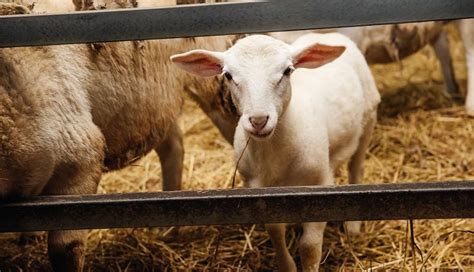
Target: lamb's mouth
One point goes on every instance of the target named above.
(262, 135)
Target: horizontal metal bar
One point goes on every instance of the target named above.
(218, 19)
(242, 206)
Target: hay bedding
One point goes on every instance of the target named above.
(420, 137)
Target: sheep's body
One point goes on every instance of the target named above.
(137, 83)
(67, 110)
(390, 43)
(211, 95)
(49, 142)
(382, 43)
(131, 96)
(133, 99)
(45, 119)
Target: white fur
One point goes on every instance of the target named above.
(318, 119)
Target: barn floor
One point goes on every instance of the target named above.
(421, 136)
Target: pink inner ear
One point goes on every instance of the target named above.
(310, 58)
(199, 63)
(205, 64)
(318, 55)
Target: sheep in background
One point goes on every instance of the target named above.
(299, 127)
(50, 6)
(391, 43)
(62, 121)
(212, 96)
(114, 4)
(13, 9)
(104, 4)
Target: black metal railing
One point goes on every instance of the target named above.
(240, 206)
(219, 19)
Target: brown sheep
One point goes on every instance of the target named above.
(68, 111)
(212, 96)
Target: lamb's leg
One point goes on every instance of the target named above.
(356, 166)
(441, 47)
(467, 35)
(171, 152)
(282, 255)
(66, 248)
(311, 245)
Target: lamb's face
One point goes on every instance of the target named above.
(258, 71)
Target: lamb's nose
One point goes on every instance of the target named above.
(259, 122)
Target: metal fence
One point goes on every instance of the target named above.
(240, 206)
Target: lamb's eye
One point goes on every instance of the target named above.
(228, 76)
(288, 71)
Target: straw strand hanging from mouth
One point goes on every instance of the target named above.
(238, 161)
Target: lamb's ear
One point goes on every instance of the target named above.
(316, 55)
(200, 62)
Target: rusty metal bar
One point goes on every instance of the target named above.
(219, 19)
(242, 206)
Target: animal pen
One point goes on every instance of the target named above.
(438, 200)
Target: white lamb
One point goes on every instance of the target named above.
(301, 127)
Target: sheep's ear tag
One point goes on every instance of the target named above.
(317, 55)
(200, 62)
